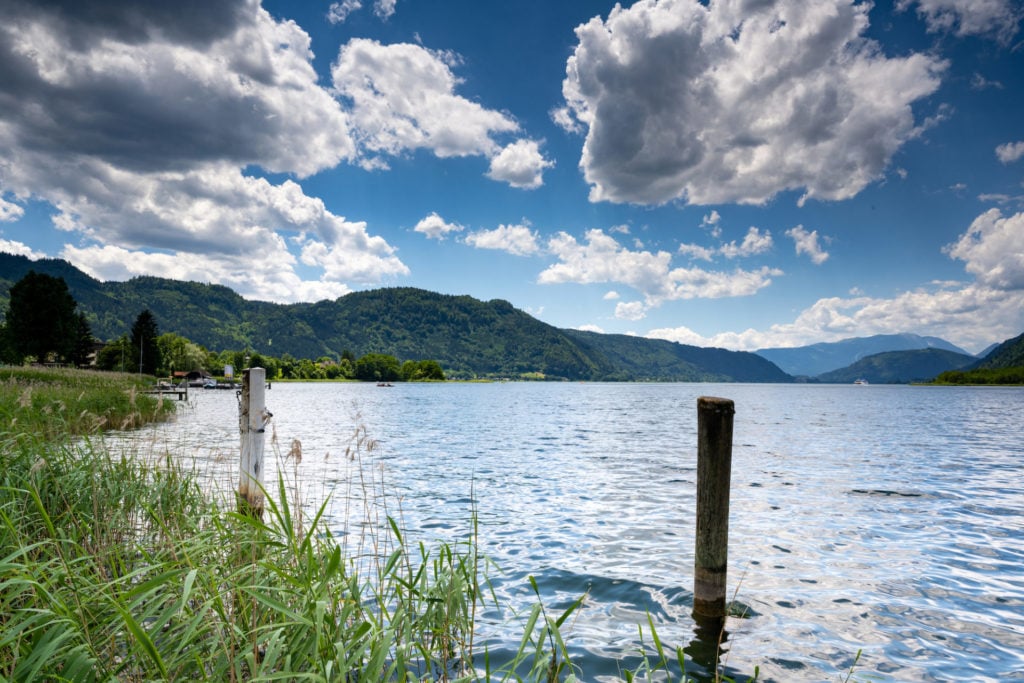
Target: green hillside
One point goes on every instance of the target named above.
(1009, 354)
(468, 337)
(641, 358)
(900, 367)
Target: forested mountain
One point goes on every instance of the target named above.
(815, 359)
(900, 367)
(642, 358)
(1009, 354)
(468, 337)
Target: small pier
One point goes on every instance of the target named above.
(179, 393)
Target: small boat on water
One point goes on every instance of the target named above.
(860, 381)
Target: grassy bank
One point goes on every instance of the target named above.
(114, 568)
(51, 404)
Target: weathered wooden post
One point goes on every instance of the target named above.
(252, 419)
(714, 468)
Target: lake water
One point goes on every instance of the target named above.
(887, 519)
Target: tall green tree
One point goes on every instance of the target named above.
(116, 355)
(145, 348)
(40, 320)
(421, 370)
(181, 354)
(84, 341)
(378, 367)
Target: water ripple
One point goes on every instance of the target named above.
(882, 519)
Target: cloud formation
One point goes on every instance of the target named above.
(973, 315)
(737, 101)
(601, 259)
(139, 125)
(993, 250)
(520, 164)
(807, 243)
(518, 240)
(403, 98)
(998, 19)
(338, 12)
(1010, 152)
(435, 227)
(754, 242)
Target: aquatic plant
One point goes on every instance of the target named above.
(118, 567)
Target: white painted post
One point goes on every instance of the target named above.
(252, 419)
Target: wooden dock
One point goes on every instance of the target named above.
(180, 393)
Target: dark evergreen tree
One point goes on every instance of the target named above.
(40, 320)
(145, 349)
(84, 341)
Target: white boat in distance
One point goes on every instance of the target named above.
(860, 381)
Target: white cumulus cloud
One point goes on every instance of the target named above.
(754, 242)
(338, 12)
(807, 243)
(518, 240)
(9, 211)
(630, 310)
(136, 124)
(736, 101)
(971, 315)
(1010, 152)
(993, 250)
(403, 98)
(520, 164)
(601, 259)
(384, 8)
(435, 227)
(20, 249)
(998, 19)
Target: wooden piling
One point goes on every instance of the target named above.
(714, 468)
(252, 419)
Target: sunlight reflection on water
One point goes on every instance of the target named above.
(887, 519)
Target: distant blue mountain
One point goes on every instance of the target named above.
(900, 367)
(817, 359)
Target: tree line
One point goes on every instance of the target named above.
(42, 324)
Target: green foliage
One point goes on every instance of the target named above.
(116, 355)
(378, 367)
(420, 371)
(180, 354)
(58, 403)
(146, 350)
(119, 569)
(84, 341)
(1002, 376)
(1009, 354)
(41, 320)
(469, 338)
(899, 367)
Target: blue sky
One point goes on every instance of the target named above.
(744, 173)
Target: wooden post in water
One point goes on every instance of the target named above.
(252, 419)
(714, 468)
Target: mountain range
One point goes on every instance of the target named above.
(824, 357)
(472, 338)
(468, 337)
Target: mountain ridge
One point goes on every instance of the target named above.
(816, 359)
(468, 337)
(900, 367)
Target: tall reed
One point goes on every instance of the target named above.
(115, 567)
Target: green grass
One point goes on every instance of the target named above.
(51, 404)
(118, 568)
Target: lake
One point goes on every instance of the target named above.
(887, 519)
